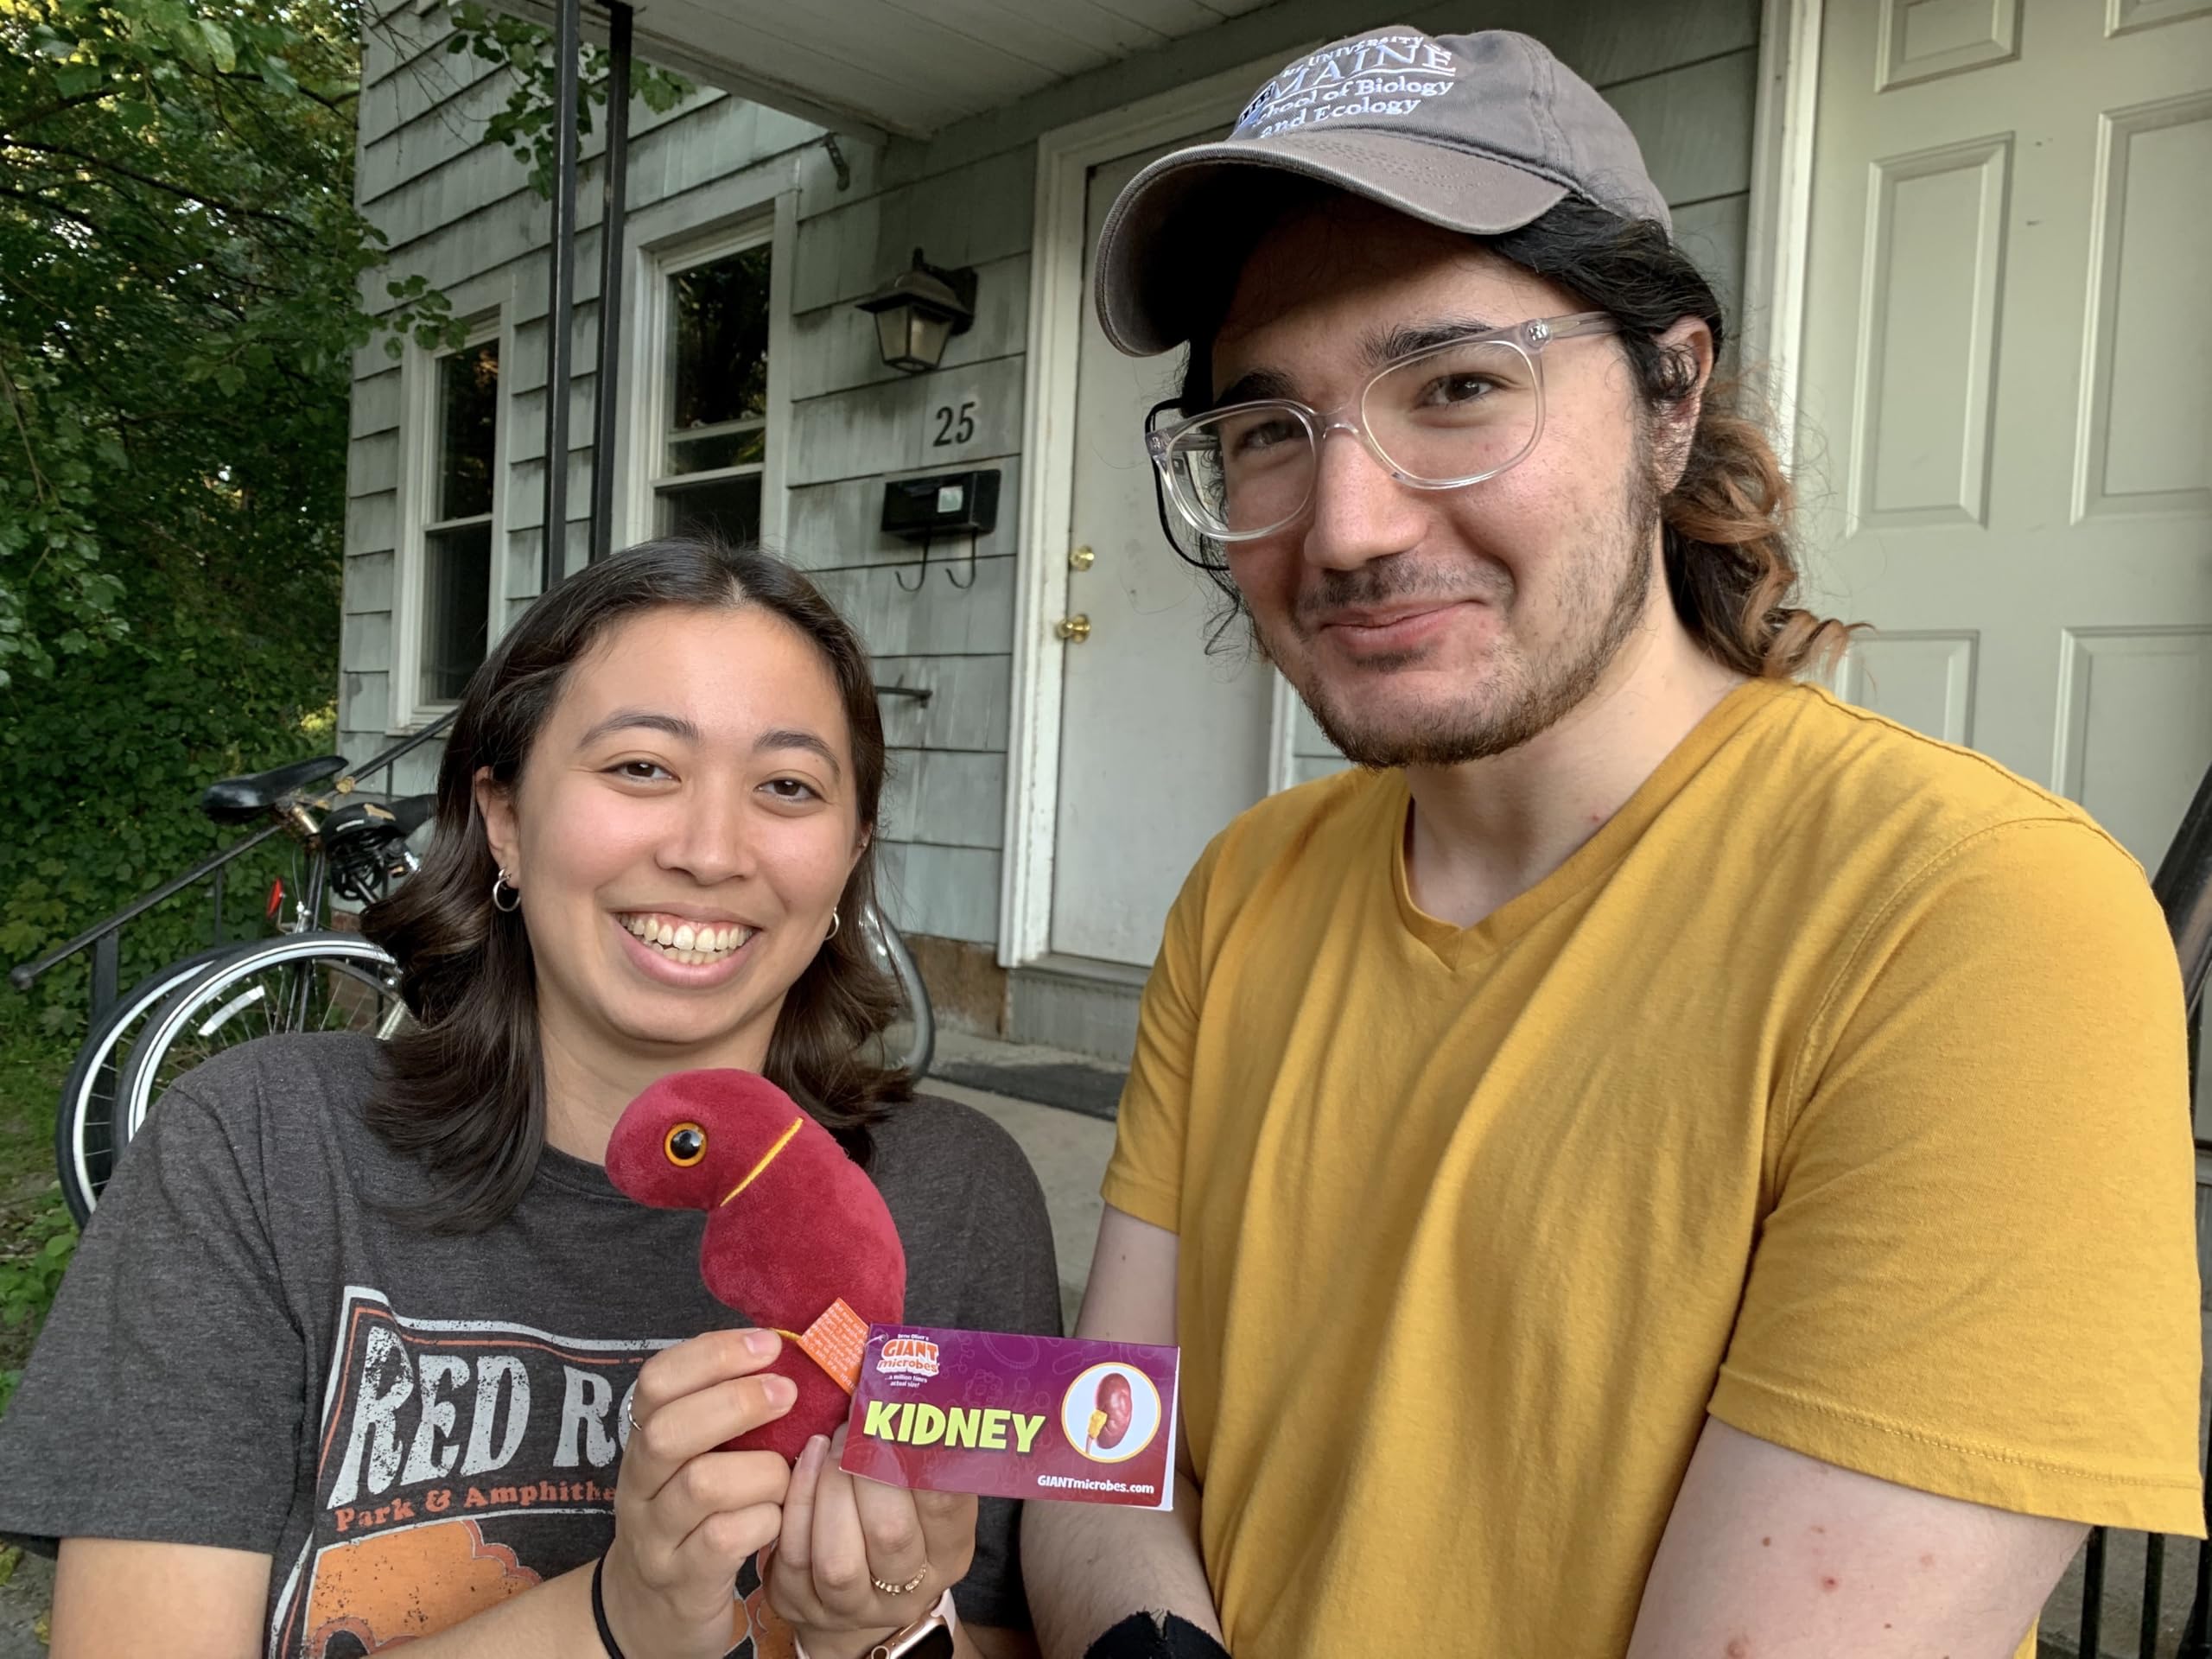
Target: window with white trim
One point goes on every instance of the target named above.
(457, 532)
(712, 448)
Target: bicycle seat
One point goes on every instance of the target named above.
(394, 819)
(241, 800)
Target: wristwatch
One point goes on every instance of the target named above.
(929, 1636)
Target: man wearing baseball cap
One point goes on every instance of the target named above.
(1654, 1161)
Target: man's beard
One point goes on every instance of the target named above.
(1519, 696)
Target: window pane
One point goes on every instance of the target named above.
(456, 599)
(469, 414)
(709, 455)
(728, 507)
(722, 340)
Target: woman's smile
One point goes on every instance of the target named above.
(674, 951)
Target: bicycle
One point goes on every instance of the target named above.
(308, 978)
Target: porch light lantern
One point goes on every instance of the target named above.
(919, 311)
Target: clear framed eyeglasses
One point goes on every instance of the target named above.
(1440, 419)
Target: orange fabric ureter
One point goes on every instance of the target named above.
(837, 1342)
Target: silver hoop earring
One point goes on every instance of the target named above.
(500, 882)
(835, 922)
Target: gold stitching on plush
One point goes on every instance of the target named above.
(766, 1159)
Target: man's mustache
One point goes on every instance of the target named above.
(1394, 581)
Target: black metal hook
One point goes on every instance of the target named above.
(922, 571)
(964, 586)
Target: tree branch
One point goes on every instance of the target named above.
(85, 220)
(201, 197)
(30, 454)
(337, 105)
(53, 110)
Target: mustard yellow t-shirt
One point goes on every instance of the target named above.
(1836, 1087)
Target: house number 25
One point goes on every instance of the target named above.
(954, 425)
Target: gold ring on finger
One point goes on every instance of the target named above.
(906, 1589)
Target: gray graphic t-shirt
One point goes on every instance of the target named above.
(251, 1351)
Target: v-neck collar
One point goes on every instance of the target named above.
(1463, 947)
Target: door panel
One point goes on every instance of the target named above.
(2007, 385)
(1162, 741)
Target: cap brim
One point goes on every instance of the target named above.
(1175, 239)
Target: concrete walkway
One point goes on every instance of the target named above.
(1067, 1146)
(25, 1597)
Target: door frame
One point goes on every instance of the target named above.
(1778, 241)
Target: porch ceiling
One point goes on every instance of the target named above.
(873, 67)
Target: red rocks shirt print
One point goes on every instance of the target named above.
(459, 1463)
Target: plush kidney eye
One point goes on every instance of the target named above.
(686, 1145)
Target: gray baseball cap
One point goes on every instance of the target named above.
(1480, 133)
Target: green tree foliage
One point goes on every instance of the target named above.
(180, 263)
(181, 268)
(524, 49)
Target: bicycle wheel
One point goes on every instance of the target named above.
(83, 1125)
(306, 982)
(892, 955)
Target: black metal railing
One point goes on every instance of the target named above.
(104, 938)
(2184, 886)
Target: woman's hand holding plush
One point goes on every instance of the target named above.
(686, 1515)
(844, 1538)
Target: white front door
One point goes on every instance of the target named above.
(2007, 384)
(1162, 740)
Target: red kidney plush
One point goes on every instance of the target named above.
(793, 1225)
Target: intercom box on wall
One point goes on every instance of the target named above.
(949, 504)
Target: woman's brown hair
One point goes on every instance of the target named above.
(1729, 543)
(462, 1090)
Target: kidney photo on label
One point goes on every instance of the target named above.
(1110, 1413)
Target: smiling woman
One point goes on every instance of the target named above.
(667, 730)
(383, 1297)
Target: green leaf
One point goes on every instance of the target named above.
(75, 80)
(220, 46)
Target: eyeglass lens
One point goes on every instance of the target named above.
(1454, 415)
